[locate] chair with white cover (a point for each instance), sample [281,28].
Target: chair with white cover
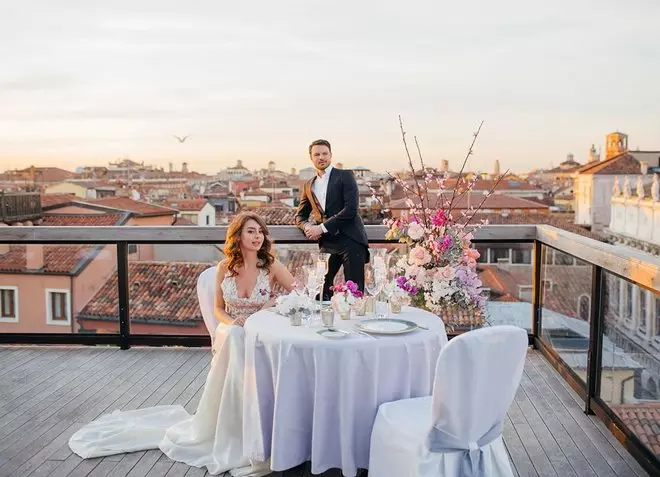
[458,430]
[206,298]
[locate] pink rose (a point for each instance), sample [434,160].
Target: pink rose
[446,273]
[419,256]
[415,231]
[472,254]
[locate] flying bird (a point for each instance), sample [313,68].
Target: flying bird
[181,139]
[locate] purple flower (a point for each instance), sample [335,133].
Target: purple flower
[447,242]
[352,286]
[401,281]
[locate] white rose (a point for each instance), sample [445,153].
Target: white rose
[415,231]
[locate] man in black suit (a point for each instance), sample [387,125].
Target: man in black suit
[328,212]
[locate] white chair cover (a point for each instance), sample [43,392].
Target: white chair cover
[457,431]
[206,298]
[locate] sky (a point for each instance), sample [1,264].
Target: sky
[86,82]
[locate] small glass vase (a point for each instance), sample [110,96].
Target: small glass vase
[296,319]
[360,307]
[345,315]
[395,306]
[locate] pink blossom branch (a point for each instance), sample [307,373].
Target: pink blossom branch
[412,168]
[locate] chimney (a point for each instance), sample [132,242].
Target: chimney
[444,165]
[643,167]
[34,259]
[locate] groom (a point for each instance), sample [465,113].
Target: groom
[328,212]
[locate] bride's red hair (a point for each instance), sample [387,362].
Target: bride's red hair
[233,243]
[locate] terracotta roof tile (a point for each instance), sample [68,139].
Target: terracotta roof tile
[57,258]
[70,220]
[159,292]
[624,163]
[187,204]
[473,199]
[51,200]
[644,420]
[130,205]
[274,215]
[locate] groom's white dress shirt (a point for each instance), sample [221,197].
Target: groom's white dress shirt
[320,189]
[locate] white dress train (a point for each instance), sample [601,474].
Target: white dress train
[213,436]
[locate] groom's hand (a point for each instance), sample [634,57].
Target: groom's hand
[314,232]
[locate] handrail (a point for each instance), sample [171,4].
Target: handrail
[634,265]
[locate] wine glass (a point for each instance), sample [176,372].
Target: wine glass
[373,282]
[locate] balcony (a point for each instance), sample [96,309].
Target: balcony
[588,403]
[19,206]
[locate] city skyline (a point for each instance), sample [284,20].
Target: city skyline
[85,84]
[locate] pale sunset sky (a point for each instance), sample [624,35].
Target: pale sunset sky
[85,82]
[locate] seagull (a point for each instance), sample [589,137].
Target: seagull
[181,139]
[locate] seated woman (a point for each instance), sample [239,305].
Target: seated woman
[213,436]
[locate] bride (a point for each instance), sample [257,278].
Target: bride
[213,436]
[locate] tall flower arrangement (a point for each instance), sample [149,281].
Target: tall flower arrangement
[439,269]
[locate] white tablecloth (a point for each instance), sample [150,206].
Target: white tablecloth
[312,398]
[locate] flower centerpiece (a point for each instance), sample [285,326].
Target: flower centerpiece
[294,305]
[345,296]
[439,271]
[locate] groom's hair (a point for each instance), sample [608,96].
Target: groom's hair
[320,142]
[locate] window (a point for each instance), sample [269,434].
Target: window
[642,308]
[563,259]
[58,307]
[497,254]
[657,316]
[584,307]
[521,256]
[132,248]
[628,301]
[483,254]
[208,220]
[9,304]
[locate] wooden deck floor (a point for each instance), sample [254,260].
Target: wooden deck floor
[47,393]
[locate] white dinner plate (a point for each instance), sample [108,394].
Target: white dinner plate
[333,334]
[386,326]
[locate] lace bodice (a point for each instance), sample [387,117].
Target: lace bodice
[241,308]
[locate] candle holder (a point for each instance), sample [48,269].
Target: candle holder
[360,306]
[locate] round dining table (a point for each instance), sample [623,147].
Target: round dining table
[311,398]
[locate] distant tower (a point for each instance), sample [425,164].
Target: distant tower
[444,165]
[239,163]
[293,171]
[496,170]
[171,168]
[184,168]
[271,166]
[594,156]
[616,143]
[339,165]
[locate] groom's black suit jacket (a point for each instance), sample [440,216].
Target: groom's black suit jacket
[341,214]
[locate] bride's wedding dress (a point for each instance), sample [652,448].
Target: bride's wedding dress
[213,436]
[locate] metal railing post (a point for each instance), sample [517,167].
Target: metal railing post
[122,284]
[596,329]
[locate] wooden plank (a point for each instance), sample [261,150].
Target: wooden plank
[533,447]
[33,374]
[130,385]
[144,381]
[57,379]
[577,423]
[26,453]
[71,401]
[546,439]
[178,470]
[519,457]
[547,415]
[161,374]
